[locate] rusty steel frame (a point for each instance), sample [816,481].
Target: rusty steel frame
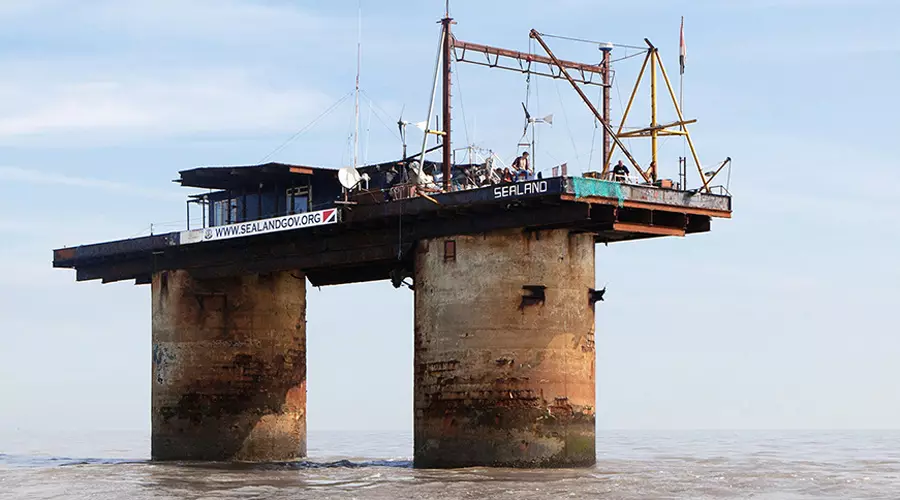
[525,62]
[537,36]
[656,130]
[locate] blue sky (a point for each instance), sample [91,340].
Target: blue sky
[783,317]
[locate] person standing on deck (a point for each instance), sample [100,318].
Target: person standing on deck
[620,172]
[522,167]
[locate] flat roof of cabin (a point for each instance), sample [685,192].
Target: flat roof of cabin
[235,177]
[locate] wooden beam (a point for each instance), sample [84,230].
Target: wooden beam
[633,133]
[628,227]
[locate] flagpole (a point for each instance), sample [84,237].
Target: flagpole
[682,54]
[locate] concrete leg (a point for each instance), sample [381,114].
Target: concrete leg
[229,367]
[501,380]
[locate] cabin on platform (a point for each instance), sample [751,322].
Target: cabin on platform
[247,193]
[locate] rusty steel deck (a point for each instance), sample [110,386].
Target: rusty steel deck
[366,242]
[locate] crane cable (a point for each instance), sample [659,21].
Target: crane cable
[594,42]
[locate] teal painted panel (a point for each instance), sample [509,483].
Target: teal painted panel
[585,187]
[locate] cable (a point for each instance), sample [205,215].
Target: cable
[621,107]
[728,179]
[585,40]
[628,57]
[594,133]
[307,127]
[385,125]
[368,129]
[568,128]
[381,115]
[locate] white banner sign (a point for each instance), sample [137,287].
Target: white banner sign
[263,226]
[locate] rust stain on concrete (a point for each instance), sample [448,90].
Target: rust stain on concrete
[229,367]
[497,384]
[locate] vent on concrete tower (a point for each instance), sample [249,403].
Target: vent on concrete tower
[534,294]
[449,250]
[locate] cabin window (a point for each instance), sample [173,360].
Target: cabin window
[297,200]
[225,212]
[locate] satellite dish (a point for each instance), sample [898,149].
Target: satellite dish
[349,177]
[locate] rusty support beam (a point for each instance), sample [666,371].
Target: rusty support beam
[607,107]
[590,105]
[526,61]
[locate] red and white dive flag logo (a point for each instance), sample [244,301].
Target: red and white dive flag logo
[682,50]
[262,226]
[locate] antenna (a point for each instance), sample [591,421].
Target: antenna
[402,126]
[358,66]
[531,120]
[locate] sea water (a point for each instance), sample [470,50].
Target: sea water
[630,464]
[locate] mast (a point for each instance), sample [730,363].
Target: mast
[447,48]
[358,66]
[654,132]
[607,107]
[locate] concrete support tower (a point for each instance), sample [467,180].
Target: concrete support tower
[504,350]
[229,367]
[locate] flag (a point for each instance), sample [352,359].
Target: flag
[682,50]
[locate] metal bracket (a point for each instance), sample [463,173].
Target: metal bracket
[595,296]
